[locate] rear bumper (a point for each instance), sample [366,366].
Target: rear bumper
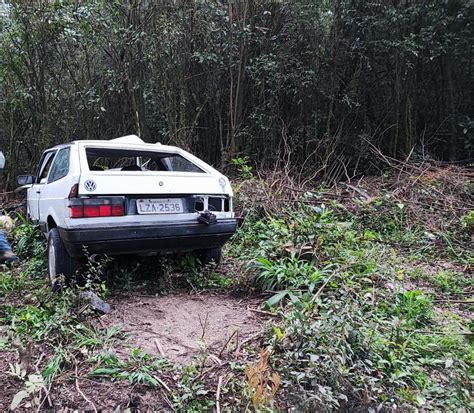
[137,238]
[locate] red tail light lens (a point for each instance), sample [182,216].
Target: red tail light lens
[91,211]
[117,210]
[105,210]
[96,207]
[77,211]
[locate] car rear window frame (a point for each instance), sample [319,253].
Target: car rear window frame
[91,151]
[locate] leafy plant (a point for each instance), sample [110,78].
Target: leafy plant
[293,276]
[29,244]
[140,368]
[363,343]
[242,164]
[192,394]
[450,282]
[467,222]
[415,306]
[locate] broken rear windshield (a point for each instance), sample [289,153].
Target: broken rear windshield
[104,159]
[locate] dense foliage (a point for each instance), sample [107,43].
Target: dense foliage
[368,308]
[309,82]
[367,295]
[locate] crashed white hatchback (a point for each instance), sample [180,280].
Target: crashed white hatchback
[125,196]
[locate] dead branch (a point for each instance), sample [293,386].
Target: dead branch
[359,191]
[227,342]
[255,310]
[251,338]
[165,386]
[218,394]
[79,389]
[203,325]
[315,296]
[160,348]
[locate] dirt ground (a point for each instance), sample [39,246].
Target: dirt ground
[182,324]
[7,387]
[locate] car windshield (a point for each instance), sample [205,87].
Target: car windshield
[106,159]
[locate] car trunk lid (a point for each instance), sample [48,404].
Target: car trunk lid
[147,183]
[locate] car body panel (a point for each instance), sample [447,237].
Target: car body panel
[153,183]
[147,237]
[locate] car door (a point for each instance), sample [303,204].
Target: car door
[34,193]
[54,193]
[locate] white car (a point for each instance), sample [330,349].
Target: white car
[125,196]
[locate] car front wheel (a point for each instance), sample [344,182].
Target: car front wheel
[61,266]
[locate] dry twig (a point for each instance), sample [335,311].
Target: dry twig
[165,386]
[227,342]
[160,348]
[251,338]
[218,394]
[256,310]
[79,389]
[455,301]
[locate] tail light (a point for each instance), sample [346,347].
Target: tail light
[96,207]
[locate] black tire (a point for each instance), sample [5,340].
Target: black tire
[61,266]
[211,256]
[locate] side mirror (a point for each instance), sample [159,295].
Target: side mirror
[23,180]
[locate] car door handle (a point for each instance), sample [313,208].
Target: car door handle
[38,192]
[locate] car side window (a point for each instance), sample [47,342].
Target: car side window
[44,167]
[60,166]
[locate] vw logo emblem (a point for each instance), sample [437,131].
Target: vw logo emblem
[161,183]
[90,185]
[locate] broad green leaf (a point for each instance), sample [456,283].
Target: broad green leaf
[277,298]
[104,371]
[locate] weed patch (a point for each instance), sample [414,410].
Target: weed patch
[353,337]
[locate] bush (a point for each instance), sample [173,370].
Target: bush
[363,343]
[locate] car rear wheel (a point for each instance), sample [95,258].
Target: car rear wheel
[210,256]
[61,266]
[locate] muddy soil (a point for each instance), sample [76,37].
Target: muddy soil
[182,324]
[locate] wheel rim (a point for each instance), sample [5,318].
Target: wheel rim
[52,263]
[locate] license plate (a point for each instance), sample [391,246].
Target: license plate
[160,206]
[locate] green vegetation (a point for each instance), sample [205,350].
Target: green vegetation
[243,83]
[355,333]
[372,310]
[138,369]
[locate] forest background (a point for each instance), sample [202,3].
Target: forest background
[312,83]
